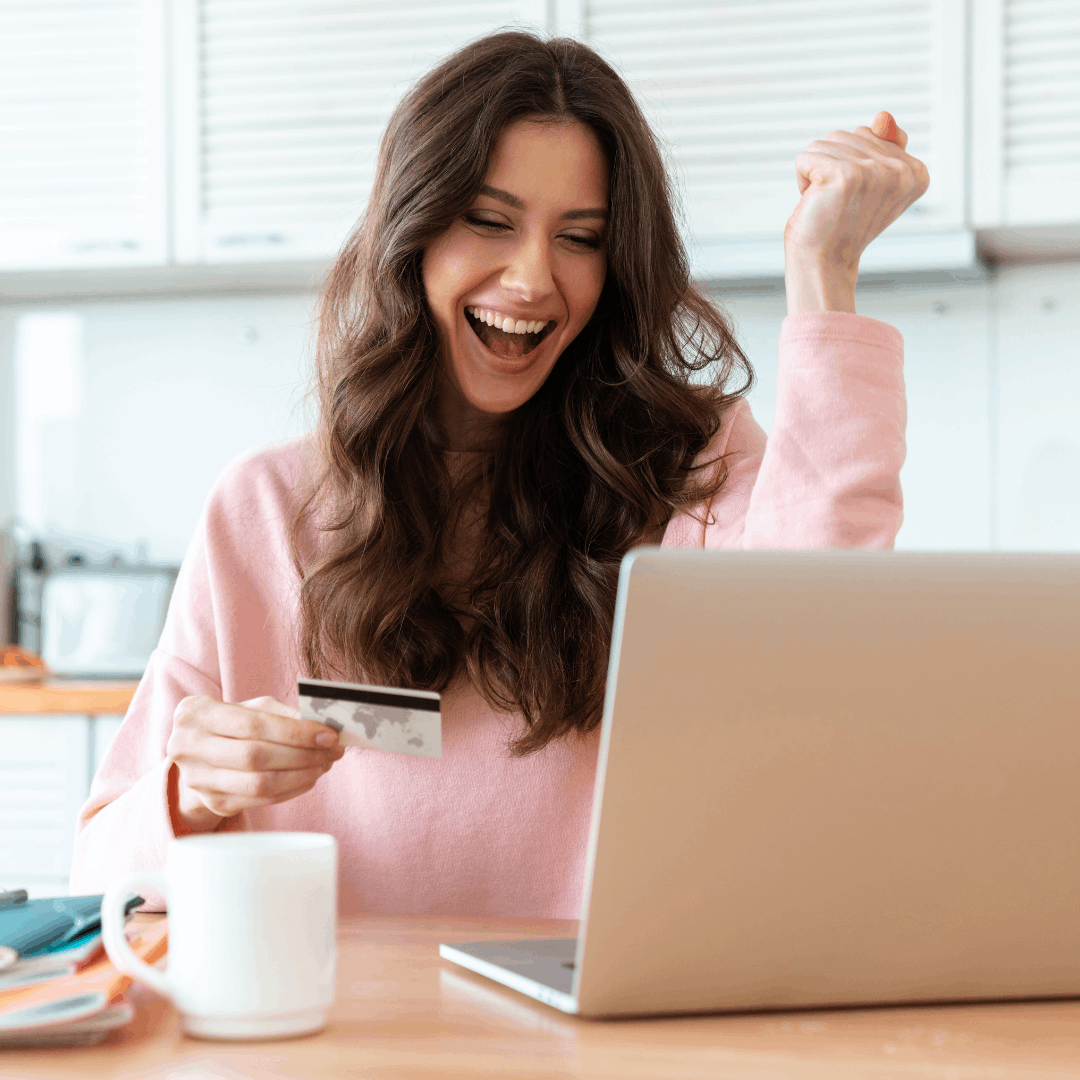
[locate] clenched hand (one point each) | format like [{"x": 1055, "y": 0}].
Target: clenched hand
[{"x": 853, "y": 185}]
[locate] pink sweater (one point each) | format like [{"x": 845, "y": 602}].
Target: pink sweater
[{"x": 478, "y": 832}]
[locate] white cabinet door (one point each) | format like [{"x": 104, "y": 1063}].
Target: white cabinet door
[
  {"x": 280, "y": 106},
  {"x": 1038, "y": 308},
  {"x": 738, "y": 88},
  {"x": 45, "y": 763},
  {"x": 103, "y": 730},
  {"x": 82, "y": 134},
  {"x": 1026, "y": 112}
]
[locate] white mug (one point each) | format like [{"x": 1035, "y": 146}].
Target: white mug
[{"x": 252, "y": 932}]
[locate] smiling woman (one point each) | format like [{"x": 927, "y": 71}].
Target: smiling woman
[
  {"x": 529, "y": 257},
  {"x": 518, "y": 180},
  {"x": 518, "y": 381}
]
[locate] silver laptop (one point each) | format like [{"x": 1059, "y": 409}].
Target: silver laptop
[{"x": 827, "y": 778}]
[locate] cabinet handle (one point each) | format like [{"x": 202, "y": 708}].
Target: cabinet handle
[
  {"x": 243, "y": 239},
  {"x": 106, "y": 245}
]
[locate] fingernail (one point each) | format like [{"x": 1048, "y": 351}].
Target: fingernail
[{"x": 326, "y": 738}]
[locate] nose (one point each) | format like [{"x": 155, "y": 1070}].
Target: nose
[{"x": 528, "y": 274}]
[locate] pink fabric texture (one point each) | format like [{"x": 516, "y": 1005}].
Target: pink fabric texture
[{"x": 478, "y": 832}]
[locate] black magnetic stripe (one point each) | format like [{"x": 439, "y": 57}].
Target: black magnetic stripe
[{"x": 369, "y": 697}]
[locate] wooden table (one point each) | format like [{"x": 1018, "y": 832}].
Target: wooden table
[
  {"x": 59, "y": 696},
  {"x": 401, "y": 1013}
]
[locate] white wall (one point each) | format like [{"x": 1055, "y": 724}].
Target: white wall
[
  {"x": 946, "y": 477},
  {"x": 176, "y": 388},
  {"x": 1038, "y": 319},
  {"x": 993, "y": 378}
]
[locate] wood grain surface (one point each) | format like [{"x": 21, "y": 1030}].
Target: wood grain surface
[
  {"x": 84, "y": 698},
  {"x": 403, "y": 1013}
]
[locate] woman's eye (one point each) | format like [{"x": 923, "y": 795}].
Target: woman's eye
[
  {"x": 583, "y": 243},
  {"x": 484, "y": 223}
]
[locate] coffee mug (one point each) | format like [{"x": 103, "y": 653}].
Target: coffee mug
[{"x": 252, "y": 932}]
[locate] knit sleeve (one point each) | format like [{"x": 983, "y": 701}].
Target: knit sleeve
[{"x": 828, "y": 475}]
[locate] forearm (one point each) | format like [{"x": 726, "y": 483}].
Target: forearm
[{"x": 830, "y": 476}]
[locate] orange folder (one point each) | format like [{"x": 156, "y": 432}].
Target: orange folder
[{"x": 150, "y": 944}]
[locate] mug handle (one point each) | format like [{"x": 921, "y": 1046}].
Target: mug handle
[{"x": 117, "y": 947}]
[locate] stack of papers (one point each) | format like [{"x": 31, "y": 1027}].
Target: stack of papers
[
  {"x": 77, "y": 1009},
  {"x": 57, "y": 987},
  {"x": 48, "y": 964}
]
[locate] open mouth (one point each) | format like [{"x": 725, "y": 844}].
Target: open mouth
[{"x": 511, "y": 344}]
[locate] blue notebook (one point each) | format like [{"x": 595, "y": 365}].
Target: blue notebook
[{"x": 37, "y": 926}]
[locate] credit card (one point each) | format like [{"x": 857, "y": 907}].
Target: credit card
[{"x": 377, "y": 717}]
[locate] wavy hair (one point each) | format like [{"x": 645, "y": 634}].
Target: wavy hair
[{"x": 596, "y": 461}]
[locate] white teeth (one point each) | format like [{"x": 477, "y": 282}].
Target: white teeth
[{"x": 505, "y": 323}]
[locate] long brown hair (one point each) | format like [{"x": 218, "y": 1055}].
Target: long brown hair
[{"x": 598, "y": 459}]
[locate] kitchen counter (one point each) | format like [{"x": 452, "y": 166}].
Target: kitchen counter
[{"x": 67, "y": 696}]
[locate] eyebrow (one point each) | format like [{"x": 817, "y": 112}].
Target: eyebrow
[{"x": 518, "y": 204}]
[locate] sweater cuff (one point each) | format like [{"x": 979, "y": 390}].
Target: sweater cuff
[
  {"x": 128, "y": 835},
  {"x": 834, "y": 327}
]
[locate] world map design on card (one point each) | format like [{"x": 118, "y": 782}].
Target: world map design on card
[{"x": 378, "y": 717}]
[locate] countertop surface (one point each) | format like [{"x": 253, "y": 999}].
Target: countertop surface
[
  {"x": 402, "y": 1012},
  {"x": 67, "y": 696}
]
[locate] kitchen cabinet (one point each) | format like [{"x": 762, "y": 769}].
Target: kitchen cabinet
[
  {"x": 1025, "y": 113},
  {"x": 279, "y": 108},
  {"x": 52, "y": 741},
  {"x": 82, "y": 134},
  {"x": 43, "y": 782},
  {"x": 737, "y": 90},
  {"x": 279, "y": 112},
  {"x": 240, "y": 137}
]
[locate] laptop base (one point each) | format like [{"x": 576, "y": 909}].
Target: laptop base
[{"x": 543, "y": 969}]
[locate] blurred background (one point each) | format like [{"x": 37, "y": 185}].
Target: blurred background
[{"x": 177, "y": 174}]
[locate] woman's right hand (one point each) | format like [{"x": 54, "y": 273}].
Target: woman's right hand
[
  {"x": 852, "y": 186},
  {"x": 230, "y": 758}
]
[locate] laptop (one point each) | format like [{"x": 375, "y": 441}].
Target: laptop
[{"x": 827, "y": 778}]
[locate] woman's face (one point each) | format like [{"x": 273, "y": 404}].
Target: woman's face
[{"x": 514, "y": 280}]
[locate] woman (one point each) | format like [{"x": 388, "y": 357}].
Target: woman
[{"x": 518, "y": 382}]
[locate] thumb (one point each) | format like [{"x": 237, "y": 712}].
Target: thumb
[{"x": 885, "y": 127}]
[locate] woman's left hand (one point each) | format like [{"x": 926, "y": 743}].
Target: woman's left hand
[{"x": 853, "y": 185}]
